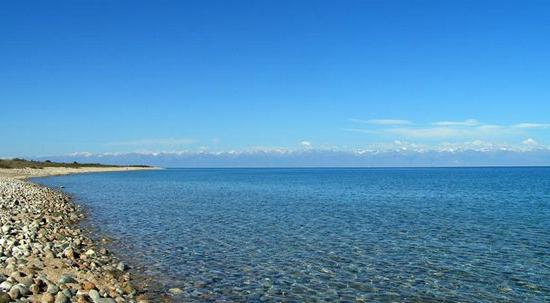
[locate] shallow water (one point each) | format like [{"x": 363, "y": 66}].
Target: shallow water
[{"x": 329, "y": 235}]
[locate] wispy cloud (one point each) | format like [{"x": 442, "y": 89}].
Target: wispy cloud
[
  {"x": 468, "y": 122},
  {"x": 154, "y": 142},
  {"x": 466, "y": 129},
  {"x": 532, "y": 125},
  {"x": 359, "y": 130},
  {"x": 452, "y": 132},
  {"x": 428, "y": 133},
  {"x": 382, "y": 121},
  {"x": 437, "y": 132}
]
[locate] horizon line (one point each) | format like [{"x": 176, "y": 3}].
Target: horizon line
[{"x": 355, "y": 167}]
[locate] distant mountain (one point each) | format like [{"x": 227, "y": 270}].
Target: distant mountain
[{"x": 319, "y": 158}]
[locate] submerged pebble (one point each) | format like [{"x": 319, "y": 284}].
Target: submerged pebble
[{"x": 325, "y": 235}]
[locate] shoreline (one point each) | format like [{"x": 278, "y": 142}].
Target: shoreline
[
  {"x": 26, "y": 173},
  {"x": 46, "y": 256}
]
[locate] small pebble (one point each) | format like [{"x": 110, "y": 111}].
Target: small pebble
[
  {"x": 175, "y": 291},
  {"x": 38, "y": 240}
]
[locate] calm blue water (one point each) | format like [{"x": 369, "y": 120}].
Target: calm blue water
[{"x": 314, "y": 235}]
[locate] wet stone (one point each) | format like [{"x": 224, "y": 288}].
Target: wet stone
[
  {"x": 175, "y": 291},
  {"x": 121, "y": 266}
]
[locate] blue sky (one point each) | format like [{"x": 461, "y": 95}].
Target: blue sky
[{"x": 224, "y": 76}]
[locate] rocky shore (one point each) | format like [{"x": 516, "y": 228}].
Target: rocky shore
[
  {"x": 24, "y": 173},
  {"x": 46, "y": 257}
]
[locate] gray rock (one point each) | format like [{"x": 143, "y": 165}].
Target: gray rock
[
  {"x": 52, "y": 289},
  {"x": 6, "y": 229},
  {"x": 175, "y": 291},
  {"x": 90, "y": 253},
  {"x": 65, "y": 279},
  {"x": 23, "y": 290},
  {"x": 27, "y": 281},
  {"x": 14, "y": 293},
  {"x": 35, "y": 289},
  {"x": 61, "y": 298},
  {"x": 94, "y": 295},
  {"x": 5, "y": 286},
  {"x": 122, "y": 267},
  {"x": 11, "y": 267},
  {"x": 35, "y": 226},
  {"x": 68, "y": 293},
  {"x": 69, "y": 253}
]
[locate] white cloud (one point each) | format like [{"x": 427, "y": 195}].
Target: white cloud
[
  {"x": 360, "y": 130},
  {"x": 382, "y": 121},
  {"x": 455, "y": 147},
  {"x": 305, "y": 144},
  {"x": 432, "y": 133},
  {"x": 449, "y": 132},
  {"x": 469, "y": 122},
  {"x": 530, "y": 142},
  {"x": 467, "y": 129},
  {"x": 476, "y": 145},
  {"x": 532, "y": 125},
  {"x": 491, "y": 127},
  {"x": 81, "y": 154},
  {"x": 157, "y": 142},
  {"x": 427, "y": 133}
]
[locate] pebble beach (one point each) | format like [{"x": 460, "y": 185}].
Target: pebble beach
[{"x": 45, "y": 256}]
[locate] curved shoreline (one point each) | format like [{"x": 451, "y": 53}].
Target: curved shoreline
[
  {"x": 26, "y": 173},
  {"x": 45, "y": 256}
]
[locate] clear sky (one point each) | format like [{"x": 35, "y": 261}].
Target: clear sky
[{"x": 124, "y": 76}]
